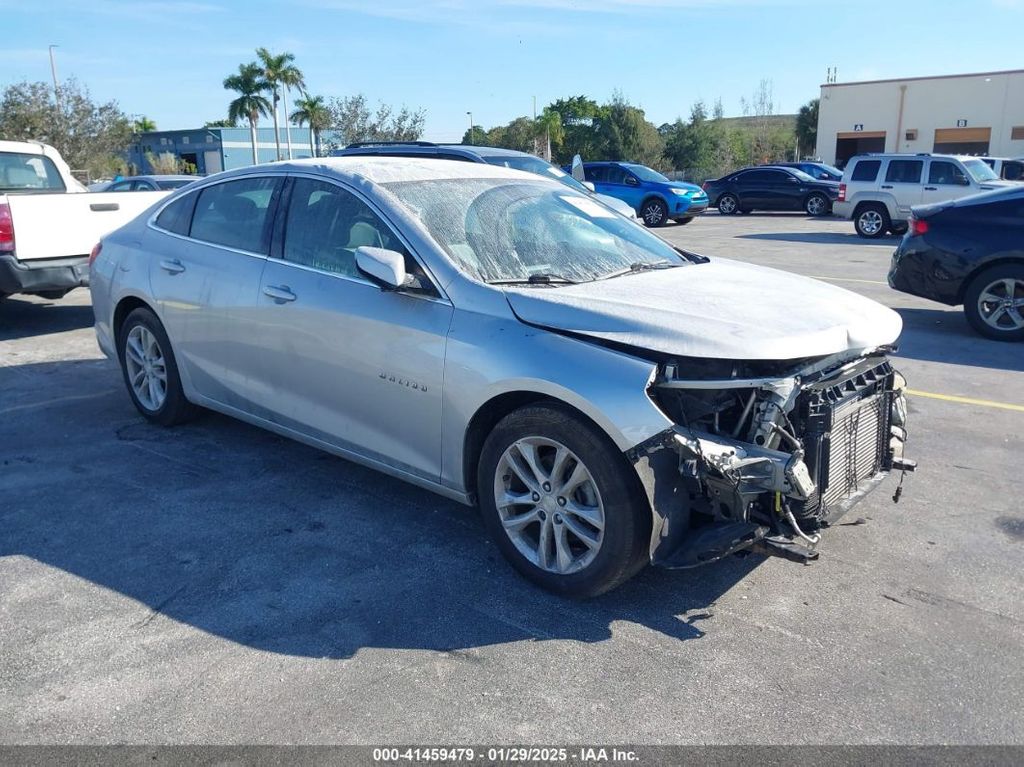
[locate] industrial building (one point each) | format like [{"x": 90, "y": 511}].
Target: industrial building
[
  {"x": 977, "y": 114},
  {"x": 212, "y": 150}
]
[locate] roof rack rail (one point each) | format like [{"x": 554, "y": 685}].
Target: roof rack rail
[{"x": 359, "y": 144}]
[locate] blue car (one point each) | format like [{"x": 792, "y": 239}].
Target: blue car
[{"x": 654, "y": 198}]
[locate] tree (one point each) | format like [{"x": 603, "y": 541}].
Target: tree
[
  {"x": 807, "y": 127},
  {"x": 251, "y": 104},
  {"x": 579, "y": 116},
  {"x": 692, "y": 146},
  {"x": 352, "y": 118},
  {"x": 220, "y": 124},
  {"x": 548, "y": 127},
  {"x": 475, "y": 136},
  {"x": 143, "y": 124},
  {"x": 312, "y": 110},
  {"x": 90, "y": 136},
  {"x": 279, "y": 73},
  {"x": 627, "y": 135}
]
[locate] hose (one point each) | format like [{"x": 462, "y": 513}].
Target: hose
[{"x": 811, "y": 539}]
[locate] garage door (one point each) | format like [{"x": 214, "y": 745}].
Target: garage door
[
  {"x": 858, "y": 142},
  {"x": 962, "y": 140}
]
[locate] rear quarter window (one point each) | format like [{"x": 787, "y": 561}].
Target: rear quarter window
[
  {"x": 865, "y": 170},
  {"x": 177, "y": 216}
]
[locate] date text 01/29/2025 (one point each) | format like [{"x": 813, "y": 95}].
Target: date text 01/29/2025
[{"x": 525, "y": 754}]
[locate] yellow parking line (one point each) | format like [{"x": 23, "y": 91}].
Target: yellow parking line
[
  {"x": 847, "y": 279},
  {"x": 966, "y": 400}
]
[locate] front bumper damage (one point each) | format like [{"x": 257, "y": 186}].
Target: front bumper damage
[{"x": 764, "y": 464}]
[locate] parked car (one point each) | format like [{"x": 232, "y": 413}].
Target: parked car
[
  {"x": 878, "y": 190},
  {"x": 816, "y": 170},
  {"x": 771, "y": 188},
  {"x": 969, "y": 251},
  {"x": 651, "y": 195},
  {"x": 143, "y": 184},
  {"x": 505, "y": 158},
  {"x": 1005, "y": 168},
  {"x": 498, "y": 338},
  {"x": 47, "y": 224}
]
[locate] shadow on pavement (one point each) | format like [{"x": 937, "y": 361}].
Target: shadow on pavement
[
  {"x": 943, "y": 335},
  {"x": 820, "y": 238},
  {"x": 26, "y": 319},
  {"x": 269, "y": 543}
]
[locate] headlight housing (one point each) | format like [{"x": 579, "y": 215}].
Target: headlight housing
[{"x": 680, "y": 192}]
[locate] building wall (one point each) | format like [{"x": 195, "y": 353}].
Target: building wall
[{"x": 968, "y": 103}]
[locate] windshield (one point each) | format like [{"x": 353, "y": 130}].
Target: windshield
[
  {"x": 499, "y": 230},
  {"x": 28, "y": 173},
  {"x": 980, "y": 170},
  {"x": 644, "y": 173},
  {"x": 538, "y": 166}
]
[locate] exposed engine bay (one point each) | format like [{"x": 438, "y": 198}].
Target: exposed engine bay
[{"x": 766, "y": 454}]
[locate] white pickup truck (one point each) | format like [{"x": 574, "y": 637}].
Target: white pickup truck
[{"x": 49, "y": 222}]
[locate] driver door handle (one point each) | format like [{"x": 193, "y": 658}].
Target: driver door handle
[
  {"x": 931, "y": 189},
  {"x": 282, "y": 294},
  {"x": 172, "y": 266},
  {"x": 886, "y": 186}
]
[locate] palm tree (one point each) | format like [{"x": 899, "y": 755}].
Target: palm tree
[
  {"x": 143, "y": 124},
  {"x": 279, "y": 72},
  {"x": 251, "y": 103},
  {"x": 548, "y": 126},
  {"x": 312, "y": 110}
]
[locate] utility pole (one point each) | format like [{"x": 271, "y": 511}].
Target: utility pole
[
  {"x": 53, "y": 71},
  {"x": 470, "y": 127}
]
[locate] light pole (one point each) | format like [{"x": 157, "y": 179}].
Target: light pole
[
  {"x": 53, "y": 71},
  {"x": 470, "y": 127}
]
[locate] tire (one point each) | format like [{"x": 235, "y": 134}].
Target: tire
[
  {"x": 144, "y": 350},
  {"x": 683, "y": 221},
  {"x": 872, "y": 221},
  {"x": 817, "y": 205},
  {"x": 728, "y": 204},
  {"x": 654, "y": 212},
  {"x": 994, "y": 302},
  {"x": 614, "y": 515}
]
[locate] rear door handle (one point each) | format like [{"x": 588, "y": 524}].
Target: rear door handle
[
  {"x": 931, "y": 189},
  {"x": 172, "y": 266},
  {"x": 99, "y": 207},
  {"x": 282, "y": 294},
  {"x": 886, "y": 186}
]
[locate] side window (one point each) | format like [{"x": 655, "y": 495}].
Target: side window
[
  {"x": 942, "y": 172},
  {"x": 616, "y": 175},
  {"x": 121, "y": 186},
  {"x": 776, "y": 176},
  {"x": 596, "y": 173},
  {"x": 325, "y": 225},
  {"x": 865, "y": 170},
  {"x": 754, "y": 177},
  {"x": 235, "y": 214},
  {"x": 1013, "y": 170},
  {"x": 904, "y": 171},
  {"x": 177, "y": 216}
]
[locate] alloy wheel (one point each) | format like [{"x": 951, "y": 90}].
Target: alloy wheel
[
  {"x": 1001, "y": 304},
  {"x": 727, "y": 204},
  {"x": 870, "y": 222},
  {"x": 549, "y": 505},
  {"x": 653, "y": 214},
  {"x": 147, "y": 369},
  {"x": 816, "y": 205}
]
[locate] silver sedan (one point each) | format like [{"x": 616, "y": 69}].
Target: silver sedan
[{"x": 492, "y": 336}]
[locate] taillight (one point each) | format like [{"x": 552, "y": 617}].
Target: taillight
[
  {"x": 6, "y": 229},
  {"x": 918, "y": 227},
  {"x": 96, "y": 249},
  {"x": 842, "y": 193}
]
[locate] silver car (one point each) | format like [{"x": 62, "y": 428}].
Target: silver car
[{"x": 492, "y": 336}]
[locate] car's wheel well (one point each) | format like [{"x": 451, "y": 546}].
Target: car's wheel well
[
  {"x": 967, "y": 280},
  {"x": 657, "y": 197},
  {"x": 125, "y": 307},
  {"x": 870, "y": 204},
  {"x": 486, "y": 418}
]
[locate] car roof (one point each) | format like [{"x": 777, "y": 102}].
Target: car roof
[
  {"x": 467, "y": 150},
  {"x": 385, "y": 169}
]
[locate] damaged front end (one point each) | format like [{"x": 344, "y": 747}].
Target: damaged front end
[{"x": 764, "y": 455}]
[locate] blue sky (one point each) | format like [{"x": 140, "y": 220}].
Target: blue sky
[{"x": 167, "y": 59}]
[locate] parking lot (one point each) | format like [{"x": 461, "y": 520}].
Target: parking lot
[{"x": 217, "y": 583}]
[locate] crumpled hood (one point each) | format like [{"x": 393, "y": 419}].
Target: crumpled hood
[{"x": 719, "y": 310}]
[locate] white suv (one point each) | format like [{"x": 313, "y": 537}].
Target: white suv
[{"x": 878, "y": 190}]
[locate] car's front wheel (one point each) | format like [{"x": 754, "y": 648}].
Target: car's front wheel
[
  {"x": 562, "y": 503},
  {"x": 728, "y": 204},
  {"x": 654, "y": 213},
  {"x": 816, "y": 205},
  {"x": 994, "y": 303},
  {"x": 151, "y": 371},
  {"x": 683, "y": 221}
]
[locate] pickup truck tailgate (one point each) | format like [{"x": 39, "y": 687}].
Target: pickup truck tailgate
[{"x": 65, "y": 225}]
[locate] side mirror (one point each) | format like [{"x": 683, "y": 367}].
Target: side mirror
[
  {"x": 577, "y": 168},
  {"x": 385, "y": 267},
  {"x": 630, "y": 181},
  {"x": 963, "y": 181},
  {"x": 590, "y": 185}
]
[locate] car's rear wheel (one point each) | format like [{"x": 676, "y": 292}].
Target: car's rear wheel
[
  {"x": 654, "y": 213},
  {"x": 728, "y": 204},
  {"x": 872, "y": 221},
  {"x": 151, "y": 371},
  {"x": 994, "y": 302},
  {"x": 816, "y": 205},
  {"x": 561, "y": 502}
]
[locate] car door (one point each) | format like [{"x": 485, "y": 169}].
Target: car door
[
  {"x": 625, "y": 186},
  {"x": 350, "y": 364},
  {"x": 903, "y": 182},
  {"x": 752, "y": 188},
  {"x": 783, "y": 190},
  {"x": 208, "y": 254},
  {"x": 946, "y": 181}
]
